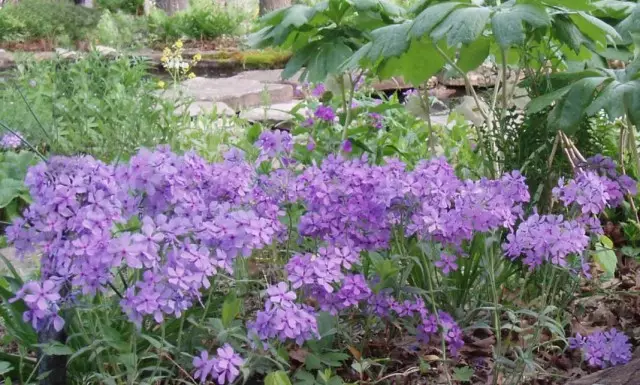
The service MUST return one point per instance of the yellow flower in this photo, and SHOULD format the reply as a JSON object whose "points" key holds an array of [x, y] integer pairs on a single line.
{"points": [[191, 75], [178, 44], [161, 84], [197, 57], [164, 59], [166, 51]]}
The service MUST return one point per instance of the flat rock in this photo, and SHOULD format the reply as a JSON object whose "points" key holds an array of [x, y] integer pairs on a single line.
{"points": [[236, 93], [268, 76], [66, 54], [25, 267], [198, 108], [280, 112], [484, 76], [398, 83], [106, 51]]}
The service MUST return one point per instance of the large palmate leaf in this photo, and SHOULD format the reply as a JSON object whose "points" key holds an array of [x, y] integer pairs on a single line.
{"points": [[462, 26], [428, 19], [508, 22], [629, 28], [617, 92], [412, 64]]}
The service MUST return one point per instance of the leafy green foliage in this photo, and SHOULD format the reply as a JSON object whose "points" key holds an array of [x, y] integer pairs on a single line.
{"points": [[46, 19], [324, 36], [617, 92], [13, 193], [99, 106]]}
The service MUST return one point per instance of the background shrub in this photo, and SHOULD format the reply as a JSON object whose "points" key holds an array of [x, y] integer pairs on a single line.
{"points": [[46, 19]]}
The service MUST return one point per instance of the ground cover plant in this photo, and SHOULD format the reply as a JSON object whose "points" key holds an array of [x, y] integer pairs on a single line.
{"points": [[361, 243]]}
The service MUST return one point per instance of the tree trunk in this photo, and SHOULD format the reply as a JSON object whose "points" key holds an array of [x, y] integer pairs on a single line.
{"points": [[620, 375], [172, 6], [267, 6], [147, 7], [85, 3]]}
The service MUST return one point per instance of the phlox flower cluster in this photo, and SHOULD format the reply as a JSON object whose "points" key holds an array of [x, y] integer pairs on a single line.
{"points": [[603, 349], [193, 219], [75, 206], [428, 325], [546, 238], [273, 143], [10, 141], [42, 300], [223, 368], [449, 210], [283, 319], [596, 186]]}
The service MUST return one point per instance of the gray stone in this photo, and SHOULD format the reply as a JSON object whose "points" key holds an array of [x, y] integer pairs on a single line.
{"points": [[66, 54], [236, 93], [206, 108], [276, 113], [25, 267], [106, 51]]}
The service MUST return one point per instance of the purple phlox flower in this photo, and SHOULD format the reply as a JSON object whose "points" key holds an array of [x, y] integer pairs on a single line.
{"points": [[603, 349], [377, 120], [280, 295], [346, 147], [227, 365], [318, 90], [42, 300], [311, 145], [547, 238], [11, 141], [325, 113], [447, 263], [274, 142]]}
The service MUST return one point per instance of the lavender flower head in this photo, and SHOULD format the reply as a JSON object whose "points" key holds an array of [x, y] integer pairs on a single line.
{"points": [[603, 349], [11, 141], [318, 90], [223, 368], [325, 113]]}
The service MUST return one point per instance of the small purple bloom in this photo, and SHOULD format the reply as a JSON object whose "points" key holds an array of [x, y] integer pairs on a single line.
{"points": [[325, 113], [318, 90], [447, 263], [11, 141], [347, 147]]}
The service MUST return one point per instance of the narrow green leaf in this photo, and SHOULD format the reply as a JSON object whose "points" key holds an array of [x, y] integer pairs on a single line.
{"points": [[55, 349], [230, 309], [5, 367], [606, 258]]}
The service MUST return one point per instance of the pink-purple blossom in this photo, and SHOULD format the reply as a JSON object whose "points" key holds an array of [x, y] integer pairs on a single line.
{"points": [[603, 349]]}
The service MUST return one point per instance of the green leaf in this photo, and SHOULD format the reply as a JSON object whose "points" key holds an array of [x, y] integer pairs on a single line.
{"points": [[277, 378], [474, 54], [412, 65], [574, 5], [614, 9], [327, 59], [595, 29], [10, 189], [312, 362], [543, 101], [428, 19], [389, 41], [606, 258], [630, 25], [568, 113], [566, 32], [463, 374], [5, 367], [230, 309], [464, 25], [507, 22], [55, 349]]}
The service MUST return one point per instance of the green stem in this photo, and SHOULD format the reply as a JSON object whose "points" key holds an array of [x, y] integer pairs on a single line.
{"points": [[496, 315], [435, 312], [424, 100], [633, 146], [503, 112]]}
